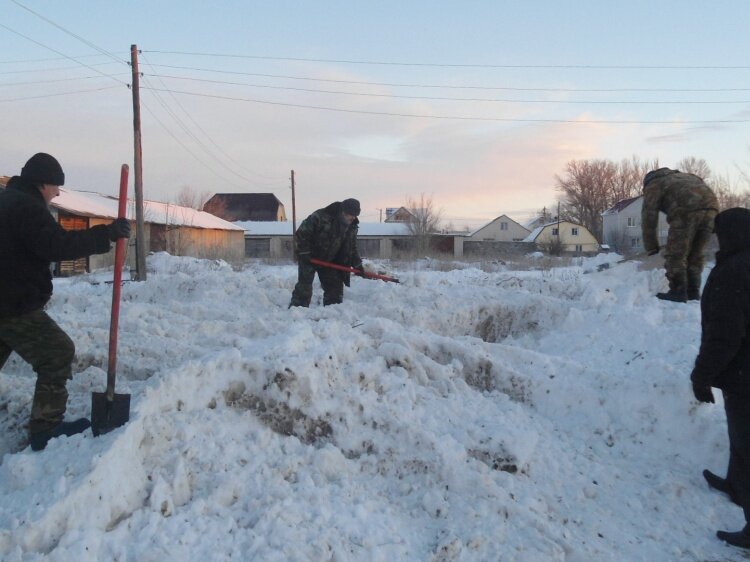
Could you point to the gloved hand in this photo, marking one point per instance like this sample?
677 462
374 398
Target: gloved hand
653 252
120 228
360 268
703 394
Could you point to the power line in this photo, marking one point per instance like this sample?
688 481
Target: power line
55 80
47 59
445 98
449 86
468 118
452 65
62 54
61 28
58 94
206 135
77 67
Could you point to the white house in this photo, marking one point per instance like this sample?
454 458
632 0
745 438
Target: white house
494 238
574 238
622 226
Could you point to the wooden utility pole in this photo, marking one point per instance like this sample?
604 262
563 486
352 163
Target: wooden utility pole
294 208
140 236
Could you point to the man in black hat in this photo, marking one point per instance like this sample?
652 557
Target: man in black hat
329 234
30 240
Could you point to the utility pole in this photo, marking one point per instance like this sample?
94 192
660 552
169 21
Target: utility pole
381 214
294 220
140 236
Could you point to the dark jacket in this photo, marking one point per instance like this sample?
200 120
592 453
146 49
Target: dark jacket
324 235
724 357
674 193
30 240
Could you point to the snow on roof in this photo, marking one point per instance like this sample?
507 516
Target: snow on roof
275 228
620 205
88 203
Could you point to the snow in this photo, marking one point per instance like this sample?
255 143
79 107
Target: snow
463 415
92 204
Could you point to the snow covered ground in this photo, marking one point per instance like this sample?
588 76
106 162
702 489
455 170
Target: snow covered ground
458 416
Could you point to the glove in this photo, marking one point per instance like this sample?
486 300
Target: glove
120 228
360 268
653 252
703 394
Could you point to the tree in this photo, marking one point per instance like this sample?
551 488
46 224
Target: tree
423 222
590 187
187 197
697 166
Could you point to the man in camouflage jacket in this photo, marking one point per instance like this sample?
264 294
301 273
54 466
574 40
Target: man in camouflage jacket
329 234
30 239
691 207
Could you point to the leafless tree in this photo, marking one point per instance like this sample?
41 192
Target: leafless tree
188 197
424 221
728 193
697 166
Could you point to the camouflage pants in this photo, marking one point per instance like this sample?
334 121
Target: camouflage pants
330 279
684 254
48 349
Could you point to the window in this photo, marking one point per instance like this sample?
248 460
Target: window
257 247
631 221
368 248
574 231
503 226
555 232
635 242
579 248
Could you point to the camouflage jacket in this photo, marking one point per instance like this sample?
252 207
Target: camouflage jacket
674 193
324 235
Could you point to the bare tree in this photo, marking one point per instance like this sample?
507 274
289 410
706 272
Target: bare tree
188 197
697 166
423 222
729 194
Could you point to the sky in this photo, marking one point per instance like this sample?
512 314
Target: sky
476 104
465 414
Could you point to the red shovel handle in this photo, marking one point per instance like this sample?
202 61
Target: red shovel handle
116 286
367 274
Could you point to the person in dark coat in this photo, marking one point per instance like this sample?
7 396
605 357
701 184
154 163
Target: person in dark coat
30 240
724 358
690 206
329 234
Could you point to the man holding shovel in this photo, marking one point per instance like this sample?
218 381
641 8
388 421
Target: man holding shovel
30 240
329 234
690 206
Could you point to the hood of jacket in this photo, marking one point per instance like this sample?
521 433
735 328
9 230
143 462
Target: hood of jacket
732 228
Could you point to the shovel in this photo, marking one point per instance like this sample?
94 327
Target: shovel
110 410
353 271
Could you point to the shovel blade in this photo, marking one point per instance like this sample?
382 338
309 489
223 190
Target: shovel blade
107 415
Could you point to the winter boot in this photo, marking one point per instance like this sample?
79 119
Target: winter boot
694 294
693 286
675 295
720 484
39 439
738 538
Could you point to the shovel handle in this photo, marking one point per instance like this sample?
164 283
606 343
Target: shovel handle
116 286
352 270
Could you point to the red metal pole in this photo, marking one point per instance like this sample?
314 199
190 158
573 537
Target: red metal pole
116 286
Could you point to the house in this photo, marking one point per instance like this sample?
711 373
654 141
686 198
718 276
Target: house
274 240
573 238
172 228
400 214
264 207
500 236
621 226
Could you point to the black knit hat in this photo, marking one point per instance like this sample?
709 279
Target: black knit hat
351 207
43 168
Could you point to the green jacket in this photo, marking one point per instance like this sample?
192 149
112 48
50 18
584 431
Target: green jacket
675 194
324 235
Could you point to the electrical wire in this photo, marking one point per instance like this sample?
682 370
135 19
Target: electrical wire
450 65
448 86
444 98
468 118
55 80
58 94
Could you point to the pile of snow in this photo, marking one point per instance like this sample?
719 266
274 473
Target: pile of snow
458 416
